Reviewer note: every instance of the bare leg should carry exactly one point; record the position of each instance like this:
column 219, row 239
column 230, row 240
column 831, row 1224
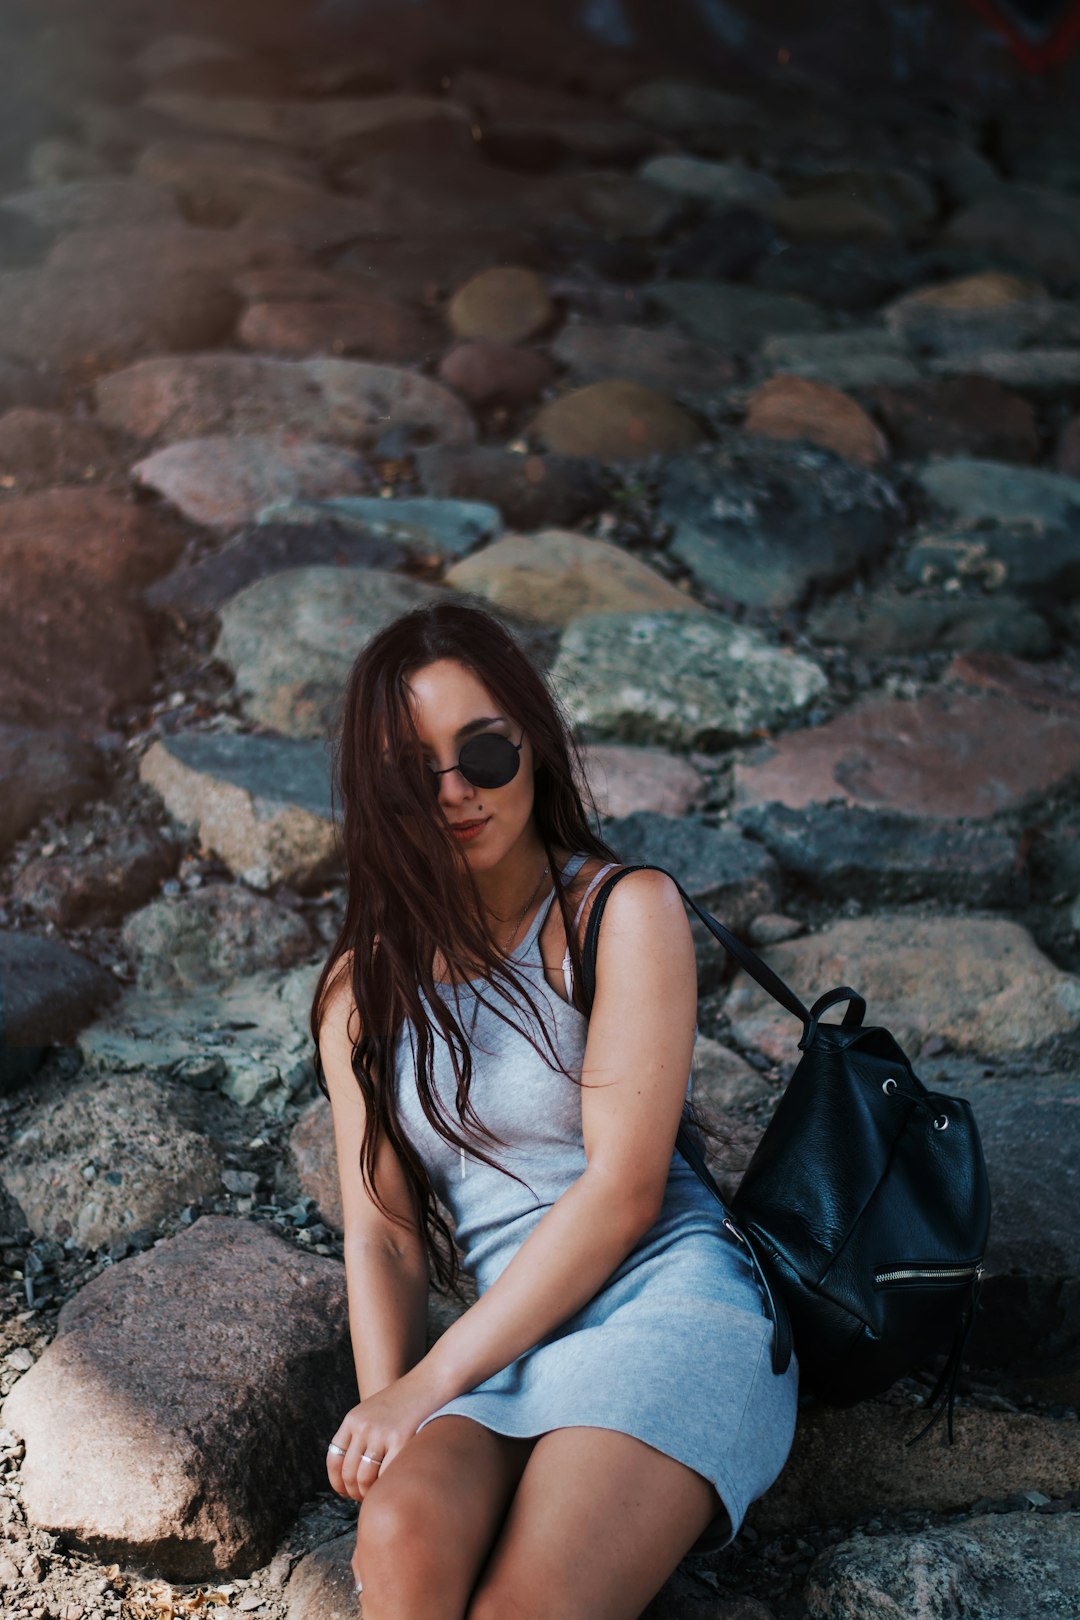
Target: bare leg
column 597, row 1524
column 427, row 1524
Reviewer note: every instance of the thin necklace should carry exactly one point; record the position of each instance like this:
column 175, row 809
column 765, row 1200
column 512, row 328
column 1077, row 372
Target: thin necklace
column 524, row 909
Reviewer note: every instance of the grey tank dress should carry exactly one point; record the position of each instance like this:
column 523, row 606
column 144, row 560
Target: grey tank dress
column 675, row 1347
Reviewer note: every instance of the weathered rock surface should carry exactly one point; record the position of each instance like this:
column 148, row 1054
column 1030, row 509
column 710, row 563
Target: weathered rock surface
column 556, row 576
column 41, row 448
column 93, row 887
column 1026, row 1128
column 979, row 983
column 222, row 482
column 687, row 680
column 261, row 803
column 291, row 639
column 847, row 1462
column 718, row 867
column 309, row 536
column 967, row 415
column 529, row 490
column 40, row 770
column 311, row 1143
column 46, row 319
column 1021, row 1564
column 217, row 933
column 426, row 528
column 346, row 402
column 889, row 622
column 946, row 753
column 363, row 324
column 969, row 488
column 49, row 991
column 733, row 317
column 486, row 372
column 1027, row 558
column 797, row 408
column 248, row 1039
column 72, row 205
column 875, row 856
column 624, row 779
column 743, row 518
column 666, row 361
column 861, row 358
column 614, row 420
column 508, row 304
column 98, row 1159
column 131, row 1457
column 303, row 124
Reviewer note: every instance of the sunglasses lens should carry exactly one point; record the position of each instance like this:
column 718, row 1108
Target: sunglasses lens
column 489, row 761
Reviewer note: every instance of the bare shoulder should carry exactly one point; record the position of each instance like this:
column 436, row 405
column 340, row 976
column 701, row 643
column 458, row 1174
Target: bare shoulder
column 635, row 901
column 340, row 1023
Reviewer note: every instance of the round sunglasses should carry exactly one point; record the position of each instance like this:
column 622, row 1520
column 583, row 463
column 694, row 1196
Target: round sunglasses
column 488, row 760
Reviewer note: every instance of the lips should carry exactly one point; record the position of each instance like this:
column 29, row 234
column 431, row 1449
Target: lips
column 469, row 829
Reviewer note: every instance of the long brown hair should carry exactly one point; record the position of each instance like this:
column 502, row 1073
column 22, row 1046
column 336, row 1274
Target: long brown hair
column 410, row 887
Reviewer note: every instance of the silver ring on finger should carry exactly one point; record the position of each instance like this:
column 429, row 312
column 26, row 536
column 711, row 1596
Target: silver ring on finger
column 365, row 1458
column 335, row 1451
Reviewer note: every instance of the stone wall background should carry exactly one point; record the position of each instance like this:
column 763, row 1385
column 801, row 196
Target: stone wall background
column 733, row 354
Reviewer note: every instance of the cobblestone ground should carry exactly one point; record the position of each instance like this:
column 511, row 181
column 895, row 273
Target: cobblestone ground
column 754, row 406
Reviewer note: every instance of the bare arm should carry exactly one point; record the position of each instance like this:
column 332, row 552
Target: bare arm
column 640, row 1045
column 386, row 1268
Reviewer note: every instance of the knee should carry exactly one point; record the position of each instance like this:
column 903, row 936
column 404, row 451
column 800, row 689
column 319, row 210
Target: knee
column 392, row 1529
column 508, row 1599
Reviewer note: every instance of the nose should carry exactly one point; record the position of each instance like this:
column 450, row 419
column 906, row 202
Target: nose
column 454, row 788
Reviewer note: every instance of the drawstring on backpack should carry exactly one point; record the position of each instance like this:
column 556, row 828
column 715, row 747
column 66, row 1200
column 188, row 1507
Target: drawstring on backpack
column 951, row 1370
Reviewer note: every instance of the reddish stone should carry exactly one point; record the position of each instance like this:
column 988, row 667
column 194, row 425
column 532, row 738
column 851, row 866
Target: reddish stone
column 363, row 324
column 96, row 533
column 1042, row 685
column 82, row 891
column 488, row 373
column 790, row 407
column 71, row 648
column 969, row 415
column 311, row 1142
column 74, row 321
column 944, row 754
column 42, row 448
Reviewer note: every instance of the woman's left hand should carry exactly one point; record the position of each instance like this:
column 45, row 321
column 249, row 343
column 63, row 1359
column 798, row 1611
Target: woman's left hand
column 377, row 1428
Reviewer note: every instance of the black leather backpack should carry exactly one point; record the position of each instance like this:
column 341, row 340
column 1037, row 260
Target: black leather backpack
column 865, row 1207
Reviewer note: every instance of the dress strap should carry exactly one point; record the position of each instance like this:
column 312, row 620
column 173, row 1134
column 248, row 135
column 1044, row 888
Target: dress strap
column 604, row 870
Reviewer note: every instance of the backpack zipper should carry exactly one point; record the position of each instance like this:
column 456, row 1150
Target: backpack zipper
column 929, row 1273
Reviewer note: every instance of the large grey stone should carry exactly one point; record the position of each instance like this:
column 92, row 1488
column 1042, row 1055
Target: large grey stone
column 762, row 522
column 732, row 316
column 213, row 934
column 887, row 622
column 1024, row 1565
column 97, row 1160
column 969, row 488
column 875, row 856
column 339, row 401
column 717, row 866
column 668, row 361
column 685, row 680
column 261, row 549
column 1026, row 558
column 47, row 993
column 861, row 358
column 1046, row 374
column 249, row 1039
column 292, row 638
column 181, row 1413
column 423, row 526
column 262, row 803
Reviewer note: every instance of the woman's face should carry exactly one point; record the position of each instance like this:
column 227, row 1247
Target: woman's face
column 450, row 705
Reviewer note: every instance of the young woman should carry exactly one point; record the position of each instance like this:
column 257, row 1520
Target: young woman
column 607, row 1403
